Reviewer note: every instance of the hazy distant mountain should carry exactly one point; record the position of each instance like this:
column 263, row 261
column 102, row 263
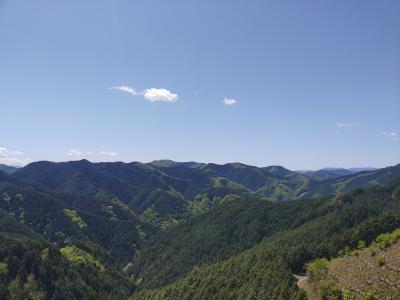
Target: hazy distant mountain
column 362, row 169
column 165, row 163
column 330, row 173
column 8, row 169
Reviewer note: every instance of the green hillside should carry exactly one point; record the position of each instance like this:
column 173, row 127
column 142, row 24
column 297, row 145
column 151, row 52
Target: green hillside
column 33, row 269
column 63, row 218
column 265, row 270
column 166, row 193
column 169, row 230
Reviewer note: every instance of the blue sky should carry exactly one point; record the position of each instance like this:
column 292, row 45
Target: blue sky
column 310, row 83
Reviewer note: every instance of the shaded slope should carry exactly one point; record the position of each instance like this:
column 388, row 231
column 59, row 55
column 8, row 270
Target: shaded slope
column 8, row 169
column 63, row 217
column 265, row 270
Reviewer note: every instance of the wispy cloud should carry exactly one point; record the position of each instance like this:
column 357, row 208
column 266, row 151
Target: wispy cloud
column 13, row 157
column 74, row 153
column 18, row 153
column 229, row 101
column 392, row 135
column 108, row 153
column 126, row 89
column 347, row 125
column 151, row 94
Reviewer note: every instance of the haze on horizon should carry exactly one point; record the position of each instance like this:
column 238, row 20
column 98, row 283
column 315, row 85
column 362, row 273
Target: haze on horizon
column 300, row 84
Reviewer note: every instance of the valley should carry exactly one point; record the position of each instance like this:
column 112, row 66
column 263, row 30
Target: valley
column 168, row 230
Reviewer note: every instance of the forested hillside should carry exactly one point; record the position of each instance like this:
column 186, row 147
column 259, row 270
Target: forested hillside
column 7, row 169
column 166, row 193
column 32, row 269
column 167, row 230
column 62, row 218
column 266, row 269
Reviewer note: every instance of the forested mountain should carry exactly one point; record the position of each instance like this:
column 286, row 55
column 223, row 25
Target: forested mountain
column 265, row 270
column 330, row 173
column 166, row 193
column 168, row 230
column 64, row 217
column 8, row 169
column 31, row 268
column 380, row 177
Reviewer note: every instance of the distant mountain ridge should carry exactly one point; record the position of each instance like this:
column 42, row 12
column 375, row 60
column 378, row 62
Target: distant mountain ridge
column 8, row 169
column 166, row 192
column 163, row 194
column 330, row 173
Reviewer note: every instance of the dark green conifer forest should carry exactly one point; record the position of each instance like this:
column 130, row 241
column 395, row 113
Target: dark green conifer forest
column 167, row 230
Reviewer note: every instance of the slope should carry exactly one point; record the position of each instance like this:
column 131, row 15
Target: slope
column 371, row 273
column 265, row 270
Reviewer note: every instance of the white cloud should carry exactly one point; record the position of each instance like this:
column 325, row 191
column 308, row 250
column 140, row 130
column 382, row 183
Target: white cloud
column 229, row 101
column 151, row 94
column 162, row 95
column 13, row 158
column 74, row 153
column 109, row 153
column 392, row 135
column 347, row 125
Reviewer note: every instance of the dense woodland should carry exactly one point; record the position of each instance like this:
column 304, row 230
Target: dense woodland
column 266, row 269
column 168, row 230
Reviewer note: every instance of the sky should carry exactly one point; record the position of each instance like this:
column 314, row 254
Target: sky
column 303, row 84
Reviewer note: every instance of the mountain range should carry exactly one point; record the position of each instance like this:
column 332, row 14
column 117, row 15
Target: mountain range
column 165, row 192
column 150, row 230
column 331, row 173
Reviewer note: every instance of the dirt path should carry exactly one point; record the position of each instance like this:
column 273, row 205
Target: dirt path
column 301, row 281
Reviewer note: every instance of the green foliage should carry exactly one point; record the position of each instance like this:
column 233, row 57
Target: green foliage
column 380, row 261
column 200, row 205
column 79, row 256
column 84, row 220
column 168, row 269
column 317, row 268
column 6, row 197
column 151, row 217
column 387, row 239
column 369, row 296
column 3, row 269
column 140, row 231
column 219, row 237
column 347, row 295
column 73, row 215
column 109, row 212
column 37, row 270
column 361, row 245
